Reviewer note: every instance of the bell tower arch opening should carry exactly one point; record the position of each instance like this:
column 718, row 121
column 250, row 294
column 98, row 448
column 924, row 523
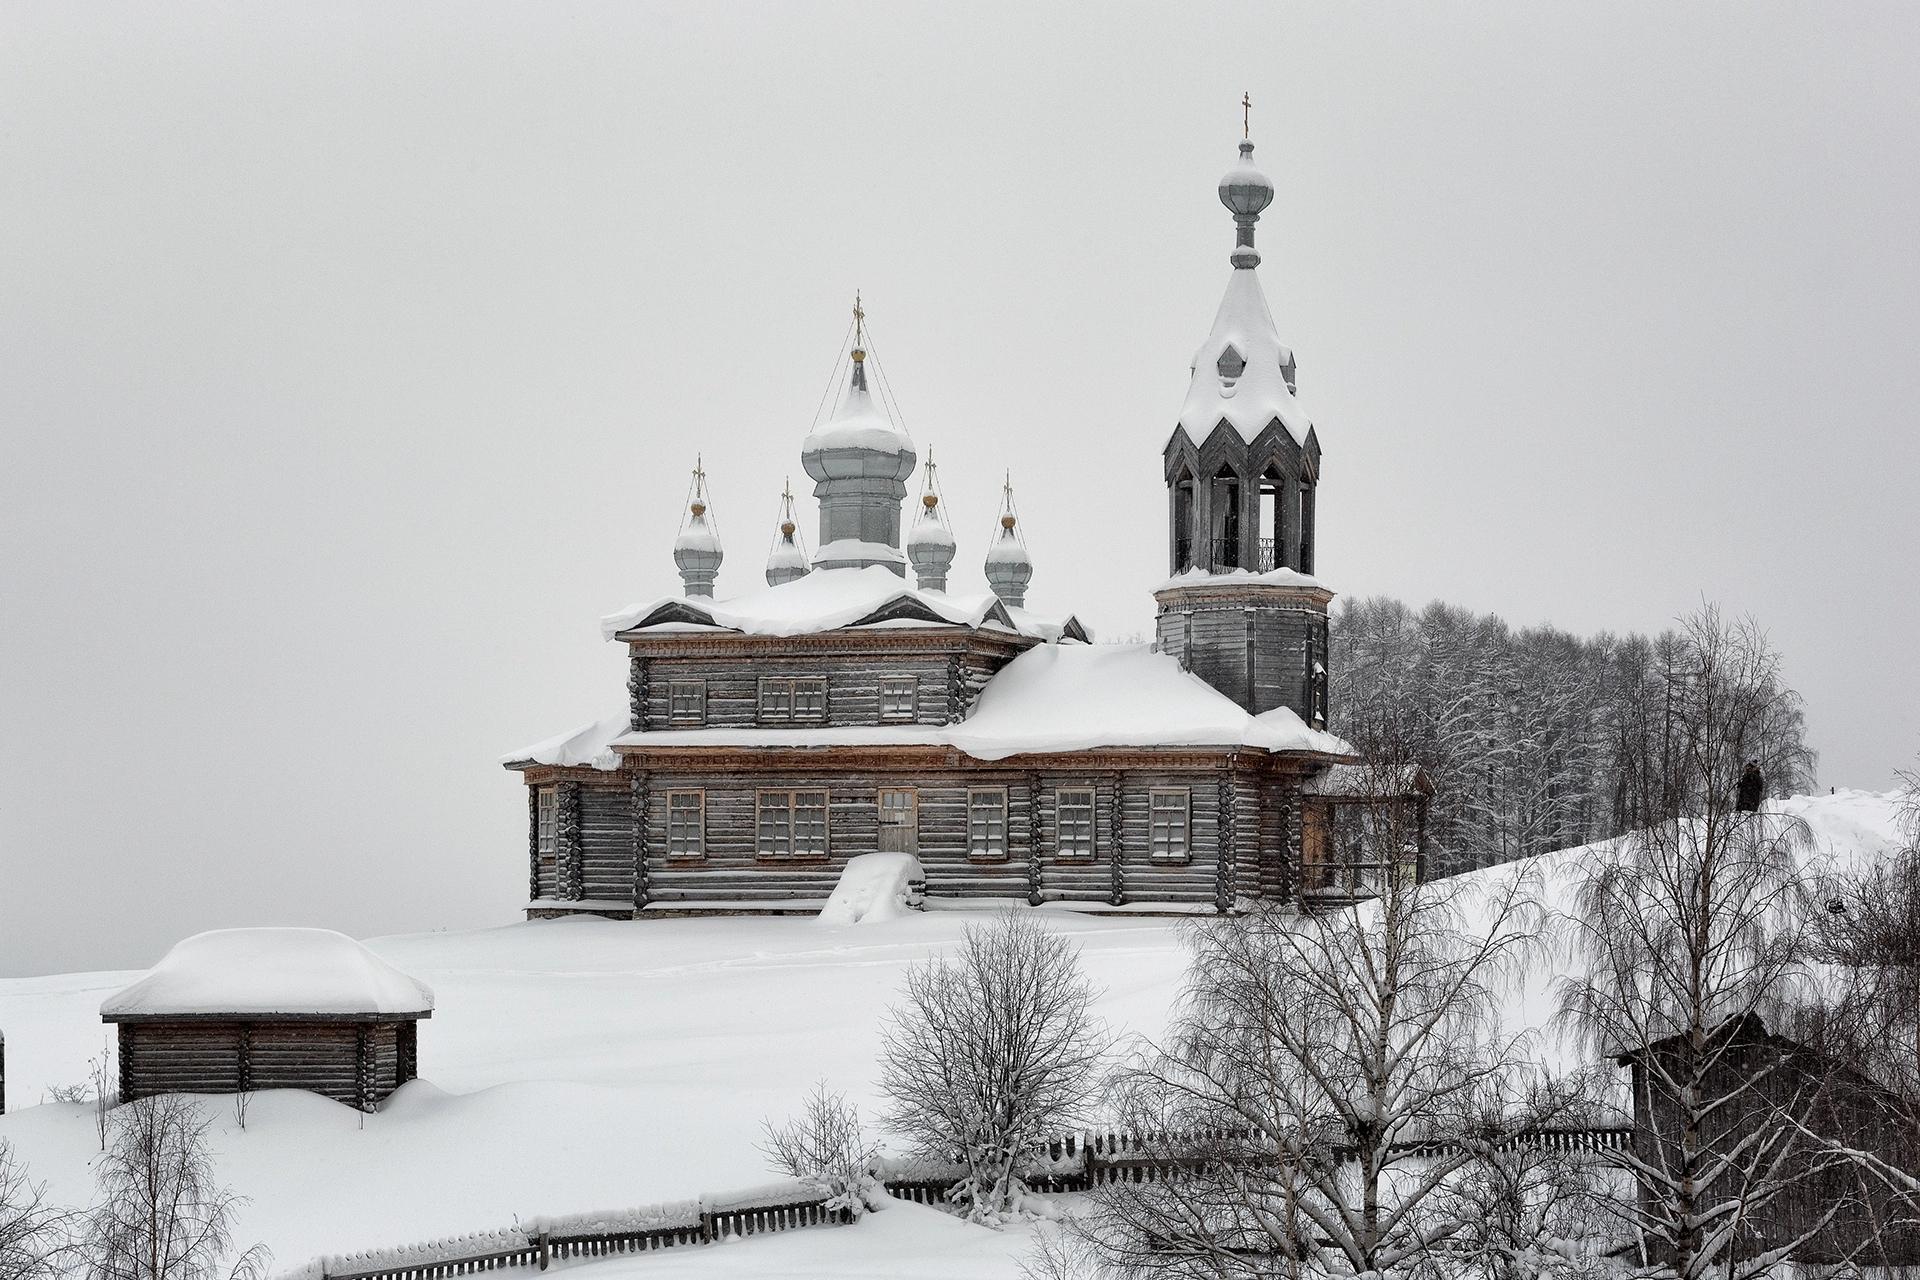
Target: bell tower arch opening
column 1225, row 504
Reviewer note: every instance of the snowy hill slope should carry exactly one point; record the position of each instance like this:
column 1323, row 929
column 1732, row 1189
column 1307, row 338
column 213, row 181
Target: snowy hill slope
column 584, row 1064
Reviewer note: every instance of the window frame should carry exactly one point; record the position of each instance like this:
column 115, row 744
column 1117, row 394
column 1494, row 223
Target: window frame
column 791, row 809
column 984, row 852
column 898, row 685
column 697, row 687
column 699, row 850
column 546, row 824
column 1154, row 809
column 1060, row 827
column 777, row 700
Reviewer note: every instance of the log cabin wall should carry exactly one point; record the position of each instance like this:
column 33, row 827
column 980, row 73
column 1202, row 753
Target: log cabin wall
column 355, row 1063
column 949, row 666
column 1222, row 804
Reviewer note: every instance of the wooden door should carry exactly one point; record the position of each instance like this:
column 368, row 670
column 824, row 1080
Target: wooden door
column 899, row 820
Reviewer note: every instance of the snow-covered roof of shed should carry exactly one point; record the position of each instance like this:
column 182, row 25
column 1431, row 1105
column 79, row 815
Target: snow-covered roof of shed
column 270, row 971
column 824, row 600
column 1260, row 393
column 1055, row 698
column 588, row 747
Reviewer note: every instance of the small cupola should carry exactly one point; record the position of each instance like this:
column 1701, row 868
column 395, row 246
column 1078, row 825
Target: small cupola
column 1009, row 567
column 930, row 544
column 697, row 550
column 859, row 460
column 788, row 559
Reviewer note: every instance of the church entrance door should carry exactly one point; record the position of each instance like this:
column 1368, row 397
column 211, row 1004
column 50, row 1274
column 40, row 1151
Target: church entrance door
column 899, row 820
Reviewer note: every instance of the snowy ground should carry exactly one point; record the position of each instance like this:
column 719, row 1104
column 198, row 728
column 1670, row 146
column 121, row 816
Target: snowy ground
column 581, row 1064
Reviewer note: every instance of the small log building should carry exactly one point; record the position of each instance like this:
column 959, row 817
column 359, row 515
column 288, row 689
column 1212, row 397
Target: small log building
column 771, row 736
column 241, row 1010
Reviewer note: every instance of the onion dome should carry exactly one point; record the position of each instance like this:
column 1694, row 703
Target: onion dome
column 787, row 560
column 859, row 460
column 930, row 544
column 697, row 550
column 1246, row 192
column 1009, row 567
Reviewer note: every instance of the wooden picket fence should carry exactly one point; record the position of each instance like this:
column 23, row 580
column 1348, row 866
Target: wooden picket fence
column 540, row 1246
column 1071, row 1162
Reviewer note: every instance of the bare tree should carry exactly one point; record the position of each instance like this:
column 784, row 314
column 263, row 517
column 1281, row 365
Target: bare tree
column 1328, row 1083
column 825, row 1144
column 35, row 1235
column 989, row 1052
column 161, row 1215
column 106, row 1090
column 1695, row 940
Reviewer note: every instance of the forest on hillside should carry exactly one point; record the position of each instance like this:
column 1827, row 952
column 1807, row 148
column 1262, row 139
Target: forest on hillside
column 1537, row 739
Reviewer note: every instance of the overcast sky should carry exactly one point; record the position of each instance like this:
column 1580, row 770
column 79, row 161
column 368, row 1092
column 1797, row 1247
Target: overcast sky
column 353, row 358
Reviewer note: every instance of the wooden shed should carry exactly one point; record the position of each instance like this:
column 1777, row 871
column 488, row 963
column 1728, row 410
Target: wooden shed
column 238, row 1010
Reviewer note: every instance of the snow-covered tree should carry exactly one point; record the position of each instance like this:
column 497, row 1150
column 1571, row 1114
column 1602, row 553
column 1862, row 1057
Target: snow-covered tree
column 1330, row 1084
column 161, row 1215
column 824, row 1144
column 989, row 1052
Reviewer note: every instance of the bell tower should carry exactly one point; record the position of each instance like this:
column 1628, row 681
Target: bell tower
column 1242, row 468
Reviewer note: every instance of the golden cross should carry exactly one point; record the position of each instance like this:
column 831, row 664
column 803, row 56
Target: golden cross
column 859, row 318
column 1246, row 115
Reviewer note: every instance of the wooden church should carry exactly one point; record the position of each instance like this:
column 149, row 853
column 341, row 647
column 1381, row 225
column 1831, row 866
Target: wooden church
column 840, row 711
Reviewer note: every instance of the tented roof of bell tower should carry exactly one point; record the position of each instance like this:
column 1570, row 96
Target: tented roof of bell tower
column 1239, row 373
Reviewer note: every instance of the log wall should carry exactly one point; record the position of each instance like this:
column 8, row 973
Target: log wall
column 356, row 1063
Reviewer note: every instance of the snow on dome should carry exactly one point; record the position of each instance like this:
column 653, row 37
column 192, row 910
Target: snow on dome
column 588, row 747
column 697, row 536
column 270, row 971
column 1259, row 393
column 928, row 531
column 1243, row 188
column 1008, row 549
column 859, row 426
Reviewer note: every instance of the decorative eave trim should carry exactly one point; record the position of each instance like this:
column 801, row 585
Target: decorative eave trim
column 853, row 757
column 1231, row 590
column 944, row 639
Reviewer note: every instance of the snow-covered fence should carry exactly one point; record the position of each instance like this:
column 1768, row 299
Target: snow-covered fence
column 781, row 1206
column 1082, row 1161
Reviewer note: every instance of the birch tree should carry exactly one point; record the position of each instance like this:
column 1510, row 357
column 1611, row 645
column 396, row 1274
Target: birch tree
column 34, row 1232
column 1328, row 1083
column 1694, row 940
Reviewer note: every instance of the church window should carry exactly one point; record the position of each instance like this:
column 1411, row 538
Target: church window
column 1170, row 806
column 1232, row 364
column 793, row 700
column 791, row 824
column 1073, row 822
column 987, row 822
column 686, row 824
column 546, row 807
column 899, row 697
column 687, row 701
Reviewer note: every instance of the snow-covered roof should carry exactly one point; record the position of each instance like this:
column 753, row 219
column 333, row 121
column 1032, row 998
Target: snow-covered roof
column 824, row 600
column 270, row 971
column 1365, row 781
column 588, row 747
column 1282, row 577
column 841, row 550
column 1053, row 698
column 1260, row 393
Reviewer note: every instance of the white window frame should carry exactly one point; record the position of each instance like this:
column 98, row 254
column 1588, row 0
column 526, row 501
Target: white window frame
column 1170, row 824
column 1073, row 837
column 682, row 845
column 984, row 844
column 899, row 697
column 801, row 828
column 546, row 823
column 693, row 690
column 780, row 699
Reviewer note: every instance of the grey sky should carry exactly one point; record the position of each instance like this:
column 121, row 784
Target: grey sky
column 352, row 359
